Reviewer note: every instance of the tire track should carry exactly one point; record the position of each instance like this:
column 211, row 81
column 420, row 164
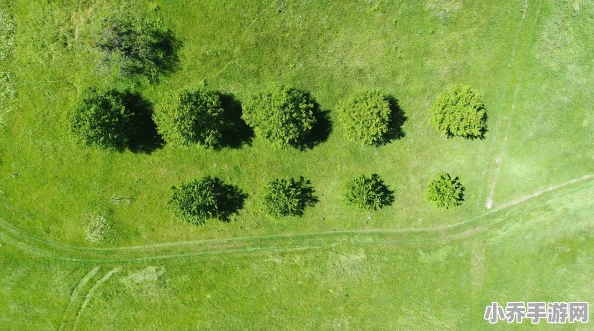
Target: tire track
column 74, row 297
column 508, row 116
column 90, row 294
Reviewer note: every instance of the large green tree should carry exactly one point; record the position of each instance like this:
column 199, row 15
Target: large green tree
column 101, row 118
column 368, row 193
column 367, row 116
column 288, row 197
column 460, row 112
column 284, row 115
column 209, row 197
column 191, row 116
column 445, row 191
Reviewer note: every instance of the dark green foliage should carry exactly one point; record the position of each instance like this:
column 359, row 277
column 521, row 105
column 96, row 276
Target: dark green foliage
column 101, row 118
column 209, row 197
column 445, row 191
column 284, row 115
column 369, row 193
column 136, row 46
column 367, row 116
column 285, row 197
column 191, row 116
column 460, row 112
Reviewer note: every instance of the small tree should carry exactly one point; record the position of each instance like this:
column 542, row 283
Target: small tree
column 191, row 116
column 137, row 46
column 200, row 199
column 284, row 197
column 369, row 193
column 367, row 116
column 284, row 115
column 101, row 118
column 460, row 112
column 445, row 191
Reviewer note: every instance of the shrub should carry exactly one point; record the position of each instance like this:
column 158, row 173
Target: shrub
column 460, row 113
column 200, row 199
column 288, row 197
column 369, row 193
column 137, row 46
column 284, row 115
column 101, row 119
column 191, row 116
column 445, row 191
column 98, row 229
column 367, row 116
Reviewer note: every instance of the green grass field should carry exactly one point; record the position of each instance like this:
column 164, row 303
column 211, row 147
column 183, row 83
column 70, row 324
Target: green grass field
column 335, row 267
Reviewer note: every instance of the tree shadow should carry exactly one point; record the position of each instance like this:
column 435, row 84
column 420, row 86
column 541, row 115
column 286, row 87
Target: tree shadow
column 231, row 200
column 321, row 129
column 307, row 197
column 397, row 119
column 143, row 136
column 236, row 132
column 386, row 195
column 166, row 47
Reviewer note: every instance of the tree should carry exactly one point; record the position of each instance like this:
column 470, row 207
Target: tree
column 201, row 199
column 137, row 46
column 101, row 119
column 284, row 115
column 460, row 112
column 367, row 116
column 369, row 193
column 285, row 197
column 191, row 116
column 445, row 191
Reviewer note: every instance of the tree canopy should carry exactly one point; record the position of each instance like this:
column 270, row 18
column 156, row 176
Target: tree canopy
column 284, row 115
column 445, row 191
column 101, row 118
column 367, row 116
column 285, row 197
column 460, row 112
column 200, row 199
column 191, row 116
column 135, row 46
column 369, row 193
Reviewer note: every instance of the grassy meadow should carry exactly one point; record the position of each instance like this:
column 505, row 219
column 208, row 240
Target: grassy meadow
column 530, row 60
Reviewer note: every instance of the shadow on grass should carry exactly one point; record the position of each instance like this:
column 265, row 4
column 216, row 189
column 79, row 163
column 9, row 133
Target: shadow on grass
column 143, row 136
column 231, row 200
column 397, row 120
column 236, row 133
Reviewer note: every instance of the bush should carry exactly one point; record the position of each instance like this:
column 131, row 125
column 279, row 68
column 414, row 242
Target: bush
column 445, row 191
column 288, row 197
column 369, row 193
column 284, row 115
column 460, row 113
column 98, row 229
column 201, row 199
column 137, row 46
column 367, row 117
column 191, row 116
column 101, row 119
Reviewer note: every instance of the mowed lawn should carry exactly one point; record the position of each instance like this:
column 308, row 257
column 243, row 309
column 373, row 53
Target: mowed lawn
column 410, row 49
column 540, row 250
